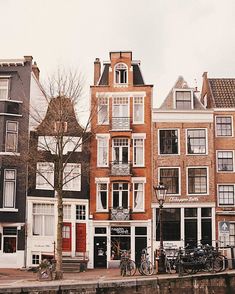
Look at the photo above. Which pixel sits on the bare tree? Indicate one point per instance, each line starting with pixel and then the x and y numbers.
pixel 57 139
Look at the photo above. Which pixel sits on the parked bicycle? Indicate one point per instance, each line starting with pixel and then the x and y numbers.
pixel 146 267
pixel 127 266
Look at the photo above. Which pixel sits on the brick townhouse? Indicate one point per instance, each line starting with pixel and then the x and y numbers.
pixel 121 164
pixel 183 154
pixel 218 94
pixel 42 211
pixel 18 87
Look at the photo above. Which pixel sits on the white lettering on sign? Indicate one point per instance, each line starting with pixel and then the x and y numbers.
pixel 177 199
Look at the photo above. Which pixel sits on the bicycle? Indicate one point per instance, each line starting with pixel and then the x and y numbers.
pixel 146 267
pixel 127 266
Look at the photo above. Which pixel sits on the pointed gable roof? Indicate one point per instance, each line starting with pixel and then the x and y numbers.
pixel 168 103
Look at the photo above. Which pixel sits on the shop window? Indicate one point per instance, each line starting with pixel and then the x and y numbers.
pixel 170 178
pixel 224 126
pixel 170 223
pixel 196 141
pixel 9 239
pixel 80 212
pixel 168 141
pixel 140 231
pixel 190 227
pixel 120 240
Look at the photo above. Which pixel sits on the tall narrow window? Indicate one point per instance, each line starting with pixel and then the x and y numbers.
pixel 183 100
pixel 120 195
pixel 72 177
pixel 197 180
pixel 9 188
pixel 103 111
pixel 4 87
pixel 170 178
pixel 120 117
pixel 225 160
pixel 102 156
pixel 45 175
pixel 102 196
pixel 196 141
pixel 138 197
pixel 168 141
pixel 138 114
pixel 11 136
pixel 43 219
pixel 224 126
pixel 138 152
pixel 120 73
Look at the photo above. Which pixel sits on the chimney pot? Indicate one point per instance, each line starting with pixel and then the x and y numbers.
pixel 97 70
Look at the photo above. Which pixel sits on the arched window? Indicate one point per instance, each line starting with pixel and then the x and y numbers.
pixel 121 73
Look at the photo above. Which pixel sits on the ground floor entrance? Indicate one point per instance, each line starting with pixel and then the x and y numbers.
pixel 111 238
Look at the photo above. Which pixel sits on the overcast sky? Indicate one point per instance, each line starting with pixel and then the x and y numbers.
pixel 170 37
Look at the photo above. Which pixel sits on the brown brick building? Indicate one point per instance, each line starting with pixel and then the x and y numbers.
pixel 183 152
pixel 121 162
pixel 219 95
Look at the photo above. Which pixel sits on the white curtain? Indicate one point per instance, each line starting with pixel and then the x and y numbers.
pixel 138 196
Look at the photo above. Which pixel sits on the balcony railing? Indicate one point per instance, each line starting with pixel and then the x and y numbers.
pixel 120 213
pixel 121 123
pixel 118 168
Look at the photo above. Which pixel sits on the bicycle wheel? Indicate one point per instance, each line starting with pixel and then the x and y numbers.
pixel 123 269
pixel 130 268
pixel 147 268
pixel 218 264
pixel 140 269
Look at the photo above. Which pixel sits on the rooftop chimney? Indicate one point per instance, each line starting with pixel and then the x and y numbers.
pixel 97 70
pixel 36 70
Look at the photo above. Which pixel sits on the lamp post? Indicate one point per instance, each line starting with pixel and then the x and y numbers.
pixel 160 192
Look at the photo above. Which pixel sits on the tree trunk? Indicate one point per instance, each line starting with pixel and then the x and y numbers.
pixel 59 271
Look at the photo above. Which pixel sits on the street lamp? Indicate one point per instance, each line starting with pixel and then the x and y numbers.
pixel 160 192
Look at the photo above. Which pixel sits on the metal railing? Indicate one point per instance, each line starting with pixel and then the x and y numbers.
pixel 120 123
pixel 120 213
pixel 119 168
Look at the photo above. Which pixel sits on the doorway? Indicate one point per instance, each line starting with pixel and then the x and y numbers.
pixel 140 243
pixel 66 237
pixel 100 252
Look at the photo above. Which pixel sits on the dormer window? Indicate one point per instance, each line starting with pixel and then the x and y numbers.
pixel 4 86
pixel 121 73
pixel 183 100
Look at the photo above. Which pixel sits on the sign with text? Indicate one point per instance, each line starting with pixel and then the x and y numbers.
pixel 224 228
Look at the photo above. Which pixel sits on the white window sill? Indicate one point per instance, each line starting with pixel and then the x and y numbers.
pixel 10 153
pixel 9 209
pixel 11 114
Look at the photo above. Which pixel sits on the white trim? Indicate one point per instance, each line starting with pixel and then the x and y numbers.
pixel 120 94
pixel 10 114
pixel 224 171
pixel 127 74
pixel 186 141
pixel 10 100
pixel 106 122
pixel 128 146
pixel 218 198
pixel 133 146
pixel 224 115
pixel 102 180
pixel 102 136
pixel 10 153
pixel 139 180
pixel 9 209
pixel 178 136
pixel 16 132
pixel 229 109
pixel 207 181
pixel 138 136
pixel 107 196
pixel 105 137
pixel 179 178
pixel 128 193
pixel 202 116
pixel 15 183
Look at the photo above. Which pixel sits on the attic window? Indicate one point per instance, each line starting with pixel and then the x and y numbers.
pixel 183 100
pixel 60 127
pixel 121 73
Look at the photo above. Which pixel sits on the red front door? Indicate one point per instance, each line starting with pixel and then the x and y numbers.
pixel 80 237
pixel 66 234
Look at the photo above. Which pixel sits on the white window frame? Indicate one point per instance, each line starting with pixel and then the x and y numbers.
pixel 12 132
pixel 136 122
pixel 105 137
pixel 138 180
pixel 75 183
pixel 218 195
pixel 182 90
pixel 179 178
pixel 45 185
pixel 8 236
pixel 43 214
pixel 99 181
pixel 141 136
pixel 223 115
pixel 113 147
pixel 85 214
pixel 217 162
pixel 128 192
pixel 115 76
pixel 5 88
pixel 206 139
pixel 13 197
pixel 207 181
pixel 178 134
pixel 99 122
